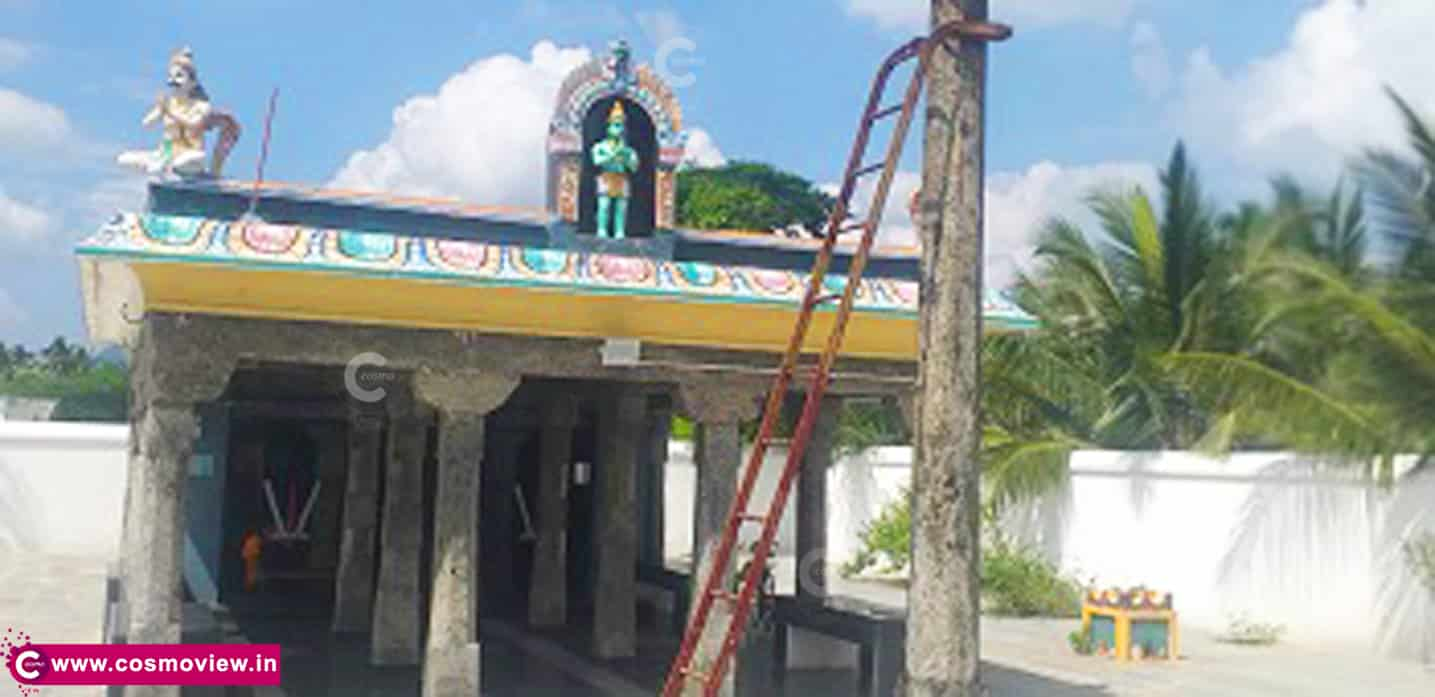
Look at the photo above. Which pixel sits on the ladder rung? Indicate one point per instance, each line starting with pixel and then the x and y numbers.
pixel 884 113
pixel 691 674
pixel 869 169
pixel 821 299
pixel 753 517
pixel 725 595
pixel 849 227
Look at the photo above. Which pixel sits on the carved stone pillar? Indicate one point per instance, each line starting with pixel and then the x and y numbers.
pixel 171 375
pixel 717 410
pixel 452 658
pixel 163 443
pixel 548 596
pixel 354 580
pixel 394 639
pixel 620 431
pixel 811 552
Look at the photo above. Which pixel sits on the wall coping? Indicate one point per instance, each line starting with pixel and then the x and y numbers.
pixel 64 432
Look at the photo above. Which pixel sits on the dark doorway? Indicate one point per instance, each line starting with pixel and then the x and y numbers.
pixel 643 138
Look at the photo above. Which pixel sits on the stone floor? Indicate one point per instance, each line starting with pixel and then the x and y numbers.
pixel 59 599
pixel 53 599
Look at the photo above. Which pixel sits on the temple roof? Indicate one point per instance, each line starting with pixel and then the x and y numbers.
pixel 354 257
pixel 413 216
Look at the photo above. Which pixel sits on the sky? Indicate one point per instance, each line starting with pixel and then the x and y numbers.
pixel 453 97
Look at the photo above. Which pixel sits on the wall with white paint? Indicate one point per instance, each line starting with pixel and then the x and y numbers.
pixel 1287 540
pixel 62 487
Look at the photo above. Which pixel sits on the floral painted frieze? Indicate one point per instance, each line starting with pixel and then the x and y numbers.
pixel 263 245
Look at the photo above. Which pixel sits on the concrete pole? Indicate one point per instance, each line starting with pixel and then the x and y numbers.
pixel 354 580
pixel 452 657
pixel 394 640
pixel 943 642
pixel 548 596
pixel 620 433
pixel 811 552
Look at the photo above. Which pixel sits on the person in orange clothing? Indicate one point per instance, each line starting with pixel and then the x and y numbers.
pixel 250 550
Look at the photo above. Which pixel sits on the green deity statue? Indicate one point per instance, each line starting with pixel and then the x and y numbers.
pixel 616 162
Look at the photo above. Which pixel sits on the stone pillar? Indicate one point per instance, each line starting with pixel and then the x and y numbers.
pixel 811 552
pixel 452 659
pixel 394 640
pixel 717 412
pixel 170 375
pixel 354 580
pixel 548 595
pixel 615 620
pixel 163 442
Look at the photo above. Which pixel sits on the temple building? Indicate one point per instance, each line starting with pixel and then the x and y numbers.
pixel 433 412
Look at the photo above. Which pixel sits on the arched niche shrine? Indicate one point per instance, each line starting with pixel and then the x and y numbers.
pixel 653 129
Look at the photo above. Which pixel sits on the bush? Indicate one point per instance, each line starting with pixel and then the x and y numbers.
pixel 1241 630
pixel 886 540
pixel 1019 581
pixel 1015 580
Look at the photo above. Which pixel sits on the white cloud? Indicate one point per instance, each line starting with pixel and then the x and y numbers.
pixel 1150 61
pixel 914 15
pixel 1017 204
pixel 1318 100
pixel 482 137
pixel 13 54
pixel 28 124
pixel 702 150
pixel 21 222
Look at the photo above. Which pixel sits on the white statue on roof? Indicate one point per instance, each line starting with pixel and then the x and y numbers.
pixel 186 116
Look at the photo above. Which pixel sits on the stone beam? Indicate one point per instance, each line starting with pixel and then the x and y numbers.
pixel 325 343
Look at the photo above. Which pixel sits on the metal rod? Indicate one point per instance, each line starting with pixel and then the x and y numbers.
pixel 263 152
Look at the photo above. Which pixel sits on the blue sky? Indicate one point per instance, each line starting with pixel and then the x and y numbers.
pixel 1087 94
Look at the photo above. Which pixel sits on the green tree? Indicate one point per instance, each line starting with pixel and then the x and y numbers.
pixel 749 196
pixel 1342 358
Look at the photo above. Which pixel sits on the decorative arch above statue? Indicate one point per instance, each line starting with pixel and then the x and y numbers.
pixel 654 123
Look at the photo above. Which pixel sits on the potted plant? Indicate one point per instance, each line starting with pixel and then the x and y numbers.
pixel 1420 553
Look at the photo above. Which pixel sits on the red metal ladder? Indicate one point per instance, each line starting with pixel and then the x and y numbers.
pixel 684 672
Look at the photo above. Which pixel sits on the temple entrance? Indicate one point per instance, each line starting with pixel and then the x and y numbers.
pixel 285 483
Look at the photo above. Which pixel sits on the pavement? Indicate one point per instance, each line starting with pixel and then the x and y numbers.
pixel 54 599
pixel 59 599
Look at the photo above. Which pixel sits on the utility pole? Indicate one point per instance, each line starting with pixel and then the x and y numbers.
pixel 943 641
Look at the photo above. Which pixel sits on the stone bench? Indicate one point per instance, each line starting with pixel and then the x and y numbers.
pixel 879 633
pixel 675 585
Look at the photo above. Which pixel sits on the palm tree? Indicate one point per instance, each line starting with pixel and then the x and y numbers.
pixel 1341 360
pixel 1113 305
